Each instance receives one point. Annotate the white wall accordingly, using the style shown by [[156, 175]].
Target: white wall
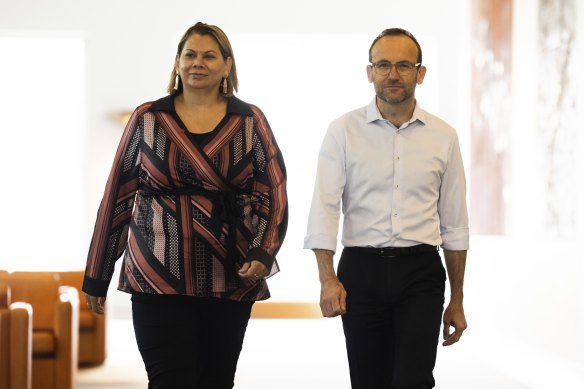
[[130, 45]]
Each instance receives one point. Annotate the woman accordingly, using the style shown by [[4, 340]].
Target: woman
[[196, 201]]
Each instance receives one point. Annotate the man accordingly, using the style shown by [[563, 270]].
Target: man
[[399, 173]]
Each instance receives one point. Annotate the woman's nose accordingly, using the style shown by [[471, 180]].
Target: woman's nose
[[198, 61]]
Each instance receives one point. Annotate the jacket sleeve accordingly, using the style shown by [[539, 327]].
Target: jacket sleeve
[[269, 188], [110, 235]]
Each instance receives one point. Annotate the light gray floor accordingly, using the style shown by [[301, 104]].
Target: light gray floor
[[292, 354], [525, 307]]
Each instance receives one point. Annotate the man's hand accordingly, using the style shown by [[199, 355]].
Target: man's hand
[[333, 298], [454, 313], [453, 317]]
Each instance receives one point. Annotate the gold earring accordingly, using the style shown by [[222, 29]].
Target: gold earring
[[224, 85]]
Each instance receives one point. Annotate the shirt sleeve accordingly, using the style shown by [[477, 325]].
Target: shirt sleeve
[[325, 209], [452, 208], [269, 188], [110, 234]]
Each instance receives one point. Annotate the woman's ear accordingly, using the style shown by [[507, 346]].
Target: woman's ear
[[229, 62], [176, 62]]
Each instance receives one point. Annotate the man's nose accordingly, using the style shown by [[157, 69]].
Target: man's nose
[[393, 73]]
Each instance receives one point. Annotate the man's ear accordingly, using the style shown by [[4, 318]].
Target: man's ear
[[421, 74], [369, 73]]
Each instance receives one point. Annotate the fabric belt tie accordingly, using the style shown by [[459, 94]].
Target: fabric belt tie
[[226, 209], [394, 252]]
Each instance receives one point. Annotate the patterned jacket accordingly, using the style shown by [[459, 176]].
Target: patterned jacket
[[186, 215]]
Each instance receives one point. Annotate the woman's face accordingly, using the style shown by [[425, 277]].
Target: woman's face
[[201, 65]]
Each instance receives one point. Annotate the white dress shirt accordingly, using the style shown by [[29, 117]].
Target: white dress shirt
[[398, 186]]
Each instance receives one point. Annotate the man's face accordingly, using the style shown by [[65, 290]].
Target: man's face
[[395, 87]]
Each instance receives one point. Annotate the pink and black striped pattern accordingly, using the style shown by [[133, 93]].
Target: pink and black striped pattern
[[168, 240]]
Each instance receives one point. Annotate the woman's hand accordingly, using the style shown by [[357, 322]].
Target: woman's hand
[[254, 271], [95, 304]]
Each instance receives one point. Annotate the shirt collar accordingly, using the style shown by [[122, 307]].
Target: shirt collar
[[373, 113], [235, 106]]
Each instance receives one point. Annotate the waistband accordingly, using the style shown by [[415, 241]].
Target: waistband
[[393, 252]]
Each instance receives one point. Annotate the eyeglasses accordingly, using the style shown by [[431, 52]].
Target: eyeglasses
[[403, 68]]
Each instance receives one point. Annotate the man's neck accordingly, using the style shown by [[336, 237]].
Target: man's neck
[[397, 114]]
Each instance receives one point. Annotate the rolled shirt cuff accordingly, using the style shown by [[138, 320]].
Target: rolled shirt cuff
[[455, 239], [320, 241]]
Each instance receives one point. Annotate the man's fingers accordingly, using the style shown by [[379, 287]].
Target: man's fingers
[[446, 331], [451, 338], [328, 309], [333, 299], [337, 307], [343, 302]]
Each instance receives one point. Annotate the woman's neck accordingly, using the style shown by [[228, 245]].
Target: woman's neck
[[200, 99]]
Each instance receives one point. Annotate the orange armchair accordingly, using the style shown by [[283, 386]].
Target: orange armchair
[[91, 326], [54, 326], [15, 342]]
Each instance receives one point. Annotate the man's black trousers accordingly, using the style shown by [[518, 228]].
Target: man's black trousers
[[394, 313]]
